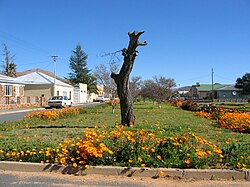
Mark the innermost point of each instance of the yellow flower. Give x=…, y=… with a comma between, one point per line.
x=153, y=150
x=159, y=157
x=140, y=159
x=143, y=165
x=161, y=173
x=130, y=161
x=239, y=165
x=87, y=166
x=75, y=165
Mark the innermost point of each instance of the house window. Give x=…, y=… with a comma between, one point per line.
x=8, y=90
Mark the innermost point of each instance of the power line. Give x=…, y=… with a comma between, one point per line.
x=23, y=43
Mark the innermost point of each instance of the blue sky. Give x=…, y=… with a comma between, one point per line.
x=186, y=38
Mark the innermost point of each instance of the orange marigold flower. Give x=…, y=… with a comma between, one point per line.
x=187, y=160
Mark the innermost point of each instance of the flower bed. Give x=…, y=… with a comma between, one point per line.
x=54, y=114
x=238, y=122
x=120, y=146
x=228, y=118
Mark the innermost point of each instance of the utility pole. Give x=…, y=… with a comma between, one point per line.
x=54, y=57
x=212, y=85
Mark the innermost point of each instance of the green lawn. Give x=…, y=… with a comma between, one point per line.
x=148, y=116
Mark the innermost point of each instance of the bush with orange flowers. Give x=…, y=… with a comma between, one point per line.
x=237, y=122
x=123, y=146
x=54, y=113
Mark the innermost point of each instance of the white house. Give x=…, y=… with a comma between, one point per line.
x=41, y=83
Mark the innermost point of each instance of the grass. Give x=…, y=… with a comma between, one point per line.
x=169, y=118
x=241, y=106
x=40, y=134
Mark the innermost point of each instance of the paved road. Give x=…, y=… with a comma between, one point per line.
x=18, y=114
x=44, y=179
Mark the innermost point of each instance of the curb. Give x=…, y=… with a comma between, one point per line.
x=200, y=174
x=20, y=110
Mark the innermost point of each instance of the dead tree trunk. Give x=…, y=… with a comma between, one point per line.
x=122, y=79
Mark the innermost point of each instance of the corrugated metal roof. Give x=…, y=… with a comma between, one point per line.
x=8, y=80
x=229, y=88
x=4, y=78
x=40, y=78
x=208, y=87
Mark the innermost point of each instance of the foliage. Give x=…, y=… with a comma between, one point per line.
x=189, y=105
x=228, y=118
x=244, y=83
x=9, y=67
x=206, y=115
x=238, y=122
x=167, y=137
x=80, y=73
x=134, y=147
x=55, y=114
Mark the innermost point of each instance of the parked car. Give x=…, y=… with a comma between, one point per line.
x=100, y=99
x=59, y=101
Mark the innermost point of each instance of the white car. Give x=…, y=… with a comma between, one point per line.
x=59, y=101
x=100, y=99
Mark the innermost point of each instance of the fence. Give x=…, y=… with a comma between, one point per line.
x=231, y=100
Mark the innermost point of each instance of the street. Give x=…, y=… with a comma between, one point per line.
x=18, y=114
x=45, y=179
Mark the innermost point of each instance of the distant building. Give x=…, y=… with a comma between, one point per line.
x=39, y=83
x=11, y=91
x=219, y=91
x=81, y=94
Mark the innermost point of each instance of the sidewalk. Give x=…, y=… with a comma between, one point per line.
x=17, y=110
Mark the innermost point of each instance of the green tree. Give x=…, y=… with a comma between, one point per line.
x=80, y=73
x=9, y=67
x=244, y=84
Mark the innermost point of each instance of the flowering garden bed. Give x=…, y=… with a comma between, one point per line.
x=147, y=144
x=229, y=118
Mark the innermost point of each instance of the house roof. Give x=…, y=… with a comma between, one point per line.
x=7, y=79
x=208, y=87
x=184, y=88
x=4, y=78
x=18, y=74
x=229, y=88
x=40, y=78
